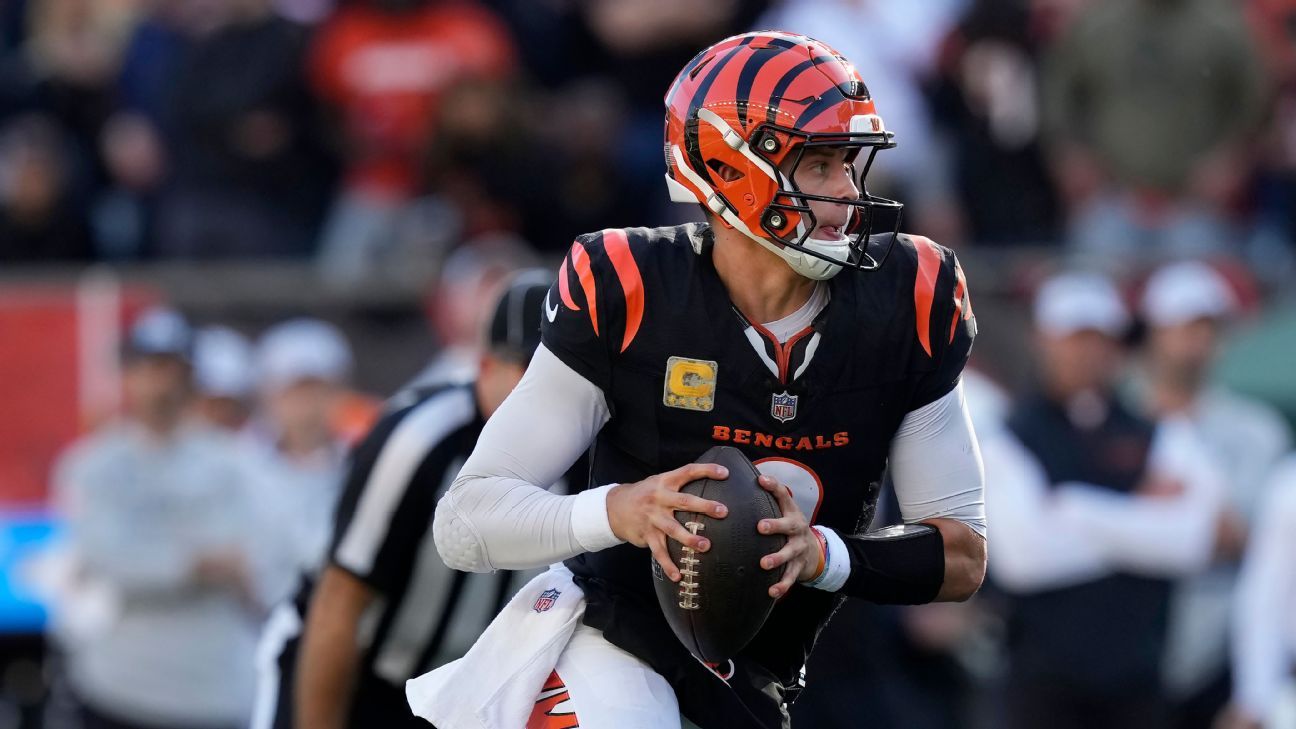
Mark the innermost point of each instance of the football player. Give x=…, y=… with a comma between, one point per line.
x=798, y=325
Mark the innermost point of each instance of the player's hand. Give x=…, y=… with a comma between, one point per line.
x=801, y=553
x=643, y=513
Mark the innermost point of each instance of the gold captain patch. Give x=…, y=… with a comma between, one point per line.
x=690, y=384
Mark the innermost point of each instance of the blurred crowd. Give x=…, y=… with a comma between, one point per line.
x=190, y=516
x=363, y=134
x=1141, y=563
x=209, y=497
x=1142, y=570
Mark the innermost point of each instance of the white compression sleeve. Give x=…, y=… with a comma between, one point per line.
x=497, y=513
x=936, y=464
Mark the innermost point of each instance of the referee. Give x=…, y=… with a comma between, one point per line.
x=386, y=608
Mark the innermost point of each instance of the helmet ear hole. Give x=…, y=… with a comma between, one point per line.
x=725, y=171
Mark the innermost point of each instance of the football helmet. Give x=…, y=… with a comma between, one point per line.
x=756, y=102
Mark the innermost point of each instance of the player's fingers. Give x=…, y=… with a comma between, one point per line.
x=791, y=524
x=789, y=578
x=695, y=472
x=783, y=556
x=657, y=545
x=791, y=559
x=782, y=494
x=698, y=505
x=673, y=529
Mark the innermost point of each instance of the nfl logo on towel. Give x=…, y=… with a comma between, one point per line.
x=783, y=407
x=546, y=600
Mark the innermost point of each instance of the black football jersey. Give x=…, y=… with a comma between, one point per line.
x=642, y=314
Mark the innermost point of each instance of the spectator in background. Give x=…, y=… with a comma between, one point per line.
x=382, y=67
x=487, y=134
x=626, y=52
x=223, y=377
x=480, y=159
x=248, y=174
x=470, y=280
x=303, y=366
x=1271, y=253
x=160, y=516
x=123, y=212
x=591, y=153
x=894, y=46
x=381, y=566
x=1095, y=510
x=39, y=220
x=1187, y=307
x=1150, y=107
x=985, y=103
x=73, y=51
x=1264, y=622
x=157, y=46
x=136, y=141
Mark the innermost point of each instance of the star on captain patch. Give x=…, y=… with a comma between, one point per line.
x=783, y=406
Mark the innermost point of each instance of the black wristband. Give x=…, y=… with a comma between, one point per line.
x=898, y=565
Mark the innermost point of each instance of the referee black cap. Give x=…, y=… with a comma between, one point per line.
x=515, y=327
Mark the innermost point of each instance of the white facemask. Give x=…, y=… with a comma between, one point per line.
x=804, y=263
x=808, y=265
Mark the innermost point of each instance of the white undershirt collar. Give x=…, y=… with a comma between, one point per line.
x=784, y=328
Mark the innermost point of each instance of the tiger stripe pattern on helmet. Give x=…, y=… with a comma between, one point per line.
x=748, y=105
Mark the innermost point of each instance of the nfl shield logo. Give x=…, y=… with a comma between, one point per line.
x=783, y=407
x=546, y=600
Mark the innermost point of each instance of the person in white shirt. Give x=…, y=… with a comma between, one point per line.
x=159, y=511
x=1094, y=509
x=302, y=366
x=1187, y=307
x=1264, y=618
x=223, y=377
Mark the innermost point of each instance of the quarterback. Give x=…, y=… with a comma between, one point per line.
x=786, y=326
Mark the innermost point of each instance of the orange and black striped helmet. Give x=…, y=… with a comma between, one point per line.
x=755, y=102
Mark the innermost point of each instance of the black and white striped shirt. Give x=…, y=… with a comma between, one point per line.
x=426, y=613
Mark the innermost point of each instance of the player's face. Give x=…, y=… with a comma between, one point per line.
x=305, y=406
x=1080, y=361
x=827, y=171
x=1187, y=348
x=156, y=385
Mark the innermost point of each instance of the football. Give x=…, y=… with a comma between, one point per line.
x=723, y=599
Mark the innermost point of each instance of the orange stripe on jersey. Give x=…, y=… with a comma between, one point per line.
x=962, y=301
x=546, y=714
x=929, y=260
x=581, y=262
x=564, y=287
x=553, y=683
x=627, y=271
